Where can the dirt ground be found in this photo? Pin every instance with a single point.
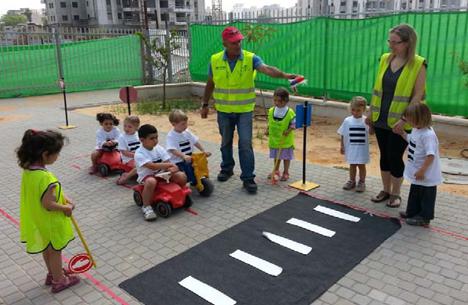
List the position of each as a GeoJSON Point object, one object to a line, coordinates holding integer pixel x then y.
{"type": "Point", "coordinates": [323, 142]}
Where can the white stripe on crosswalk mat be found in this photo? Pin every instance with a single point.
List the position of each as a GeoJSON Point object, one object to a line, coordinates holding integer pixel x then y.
{"type": "Point", "coordinates": [287, 243]}
{"type": "Point", "coordinates": [311, 227]}
{"type": "Point", "coordinates": [337, 214]}
{"type": "Point", "coordinates": [257, 262]}
{"type": "Point", "coordinates": [206, 292]}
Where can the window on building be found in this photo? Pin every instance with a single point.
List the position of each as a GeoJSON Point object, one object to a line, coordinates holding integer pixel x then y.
{"type": "Point", "coordinates": [119, 15]}
{"type": "Point", "coordinates": [118, 2]}
{"type": "Point", "coordinates": [64, 18]}
{"type": "Point", "coordinates": [51, 5]}
{"type": "Point", "coordinates": [63, 4]}
{"type": "Point", "coordinates": [75, 4]}
{"type": "Point", "coordinates": [109, 16]}
{"type": "Point", "coordinates": [164, 4]}
{"type": "Point", "coordinates": [87, 3]}
{"type": "Point", "coordinates": [76, 17]}
{"type": "Point", "coordinates": [108, 2]}
{"type": "Point", "coordinates": [52, 18]}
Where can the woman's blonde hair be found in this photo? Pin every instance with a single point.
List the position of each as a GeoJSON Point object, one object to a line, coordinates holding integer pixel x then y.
{"type": "Point", "coordinates": [358, 102]}
{"type": "Point", "coordinates": [407, 34]}
{"type": "Point", "coordinates": [419, 115]}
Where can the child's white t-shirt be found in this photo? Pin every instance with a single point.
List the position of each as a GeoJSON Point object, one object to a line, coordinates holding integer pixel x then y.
{"type": "Point", "coordinates": [280, 113]}
{"type": "Point", "coordinates": [129, 142]}
{"type": "Point", "coordinates": [103, 136]}
{"type": "Point", "coordinates": [180, 141]}
{"type": "Point", "coordinates": [143, 156]}
{"type": "Point", "coordinates": [422, 143]}
{"type": "Point", "coordinates": [355, 133]}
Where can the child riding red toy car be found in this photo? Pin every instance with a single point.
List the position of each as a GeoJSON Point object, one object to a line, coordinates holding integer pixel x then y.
{"type": "Point", "coordinates": [166, 197]}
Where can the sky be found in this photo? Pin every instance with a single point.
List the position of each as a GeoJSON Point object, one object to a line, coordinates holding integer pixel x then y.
{"type": "Point", "coordinates": [6, 5]}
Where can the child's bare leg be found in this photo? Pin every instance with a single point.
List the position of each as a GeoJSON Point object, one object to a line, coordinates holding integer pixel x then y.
{"type": "Point", "coordinates": [148, 190]}
{"type": "Point", "coordinates": [55, 263]}
{"type": "Point", "coordinates": [179, 177]}
{"type": "Point", "coordinates": [45, 255]}
{"type": "Point", "coordinates": [362, 172]}
{"type": "Point", "coordinates": [286, 164]}
{"type": "Point", "coordinates": [126, 176]}
{"type": "Point", "coordinates": [352, 172]}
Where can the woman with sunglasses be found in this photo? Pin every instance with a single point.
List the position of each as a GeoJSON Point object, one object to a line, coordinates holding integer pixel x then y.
{"type": "Point", "coordinates": [400, 81]}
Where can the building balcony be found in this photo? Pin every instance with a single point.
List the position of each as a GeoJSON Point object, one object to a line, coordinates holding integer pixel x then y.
{"type": "Point", "coordinates": [183, 9]}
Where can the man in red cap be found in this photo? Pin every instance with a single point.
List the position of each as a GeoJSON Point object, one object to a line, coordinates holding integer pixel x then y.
{"type": "Point", "coordinates": [231, 75]}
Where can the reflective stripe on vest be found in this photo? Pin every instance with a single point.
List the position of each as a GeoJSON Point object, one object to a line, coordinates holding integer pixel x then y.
{"type": "Point", "coordinates": [234, 90]}
{"type": "Point", "coordinates": [403, 90]}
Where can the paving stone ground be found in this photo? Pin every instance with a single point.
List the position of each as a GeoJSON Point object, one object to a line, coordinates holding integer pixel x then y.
{"type": "Point", "coordinates": [414, 266]}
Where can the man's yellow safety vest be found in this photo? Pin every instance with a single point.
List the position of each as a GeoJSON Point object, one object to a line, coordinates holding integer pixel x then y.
{"type": "Point", "coordinates": [403, 91]}
{"type": "Point", "coordinates": [234, 91]}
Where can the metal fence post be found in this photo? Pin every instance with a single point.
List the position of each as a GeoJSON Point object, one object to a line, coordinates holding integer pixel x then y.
{"type": "Point", "coordinates": [167, 42]}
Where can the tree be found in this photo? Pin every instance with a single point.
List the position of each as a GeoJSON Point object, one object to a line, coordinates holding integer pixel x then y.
{"type": "Point", "coordinates": [463, 66]}
{"type": "Point", "coordinates": [13, 19]}
{"type": "Point", "coordinates": [160, 54]}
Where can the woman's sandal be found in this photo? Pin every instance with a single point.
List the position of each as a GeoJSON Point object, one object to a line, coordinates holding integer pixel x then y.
{"type": "Point", "coordinates": [284, 177]}
{"type": "Point", "coordinates": [394, 201]}
{"type": "Point", "coordinates": [382, 196]}
{"type": "Point", "coordinates": [48, 280]}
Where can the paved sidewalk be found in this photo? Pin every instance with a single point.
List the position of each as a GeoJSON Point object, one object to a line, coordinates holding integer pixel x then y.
{"type": "Point", "coordinates": [414, 266]}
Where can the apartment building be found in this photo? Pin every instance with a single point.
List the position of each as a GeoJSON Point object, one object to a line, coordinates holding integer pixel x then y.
{"type": "Point", "coordinates": [364, 8]}
{"type": "Point", "coordinates": [123, 12]}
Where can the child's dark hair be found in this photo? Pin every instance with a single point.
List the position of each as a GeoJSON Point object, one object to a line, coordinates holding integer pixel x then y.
{"type": "Point", "coordinates": [145, 130]}
{"type": "Point", "coordinates": [35, 143]}
{"type": "Point", "coordinates": [282, 93]}
{"type": "Point", "coordinates": [104, 116]}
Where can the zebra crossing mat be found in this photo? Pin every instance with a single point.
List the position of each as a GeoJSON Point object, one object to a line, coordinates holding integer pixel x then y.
{"type": "Point", "coordinates": [289, 254]}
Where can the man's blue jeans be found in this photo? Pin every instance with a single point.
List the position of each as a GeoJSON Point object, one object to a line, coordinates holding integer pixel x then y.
{"type": "Point", "coordinates": [227, 123]}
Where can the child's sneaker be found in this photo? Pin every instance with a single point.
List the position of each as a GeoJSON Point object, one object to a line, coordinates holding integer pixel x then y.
{"type": "Point", "coordinates": [122, 179]}
{"type": "Point", "coordinates": [66, 282]}
{"type": "Point", "coordinates": [360, 187]}
{"type": "Point", "coordinates": [349, 185]}
{"type": "Point", "coordinates": [148, 213]}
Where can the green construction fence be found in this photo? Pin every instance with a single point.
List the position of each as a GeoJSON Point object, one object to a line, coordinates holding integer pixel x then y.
{"type": "Point", "coordinates": [339, 57]}
{"type": "Point", "coordinates": [87, 65]}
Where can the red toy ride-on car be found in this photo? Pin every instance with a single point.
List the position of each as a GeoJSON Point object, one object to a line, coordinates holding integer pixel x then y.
{"type": "Point", "coordinates": [167, 196]}
{"type": "Point", "coordinates": [111, 161]}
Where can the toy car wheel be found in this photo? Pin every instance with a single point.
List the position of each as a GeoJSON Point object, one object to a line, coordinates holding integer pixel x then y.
{"type": "Point", "coordinates": [103, 170]}
{"type": "Point", "coordinates": [163, 209]}
{"type": "Point", "coordinates": [208, 187]}
{"type": "Point", "coordinates": [137, 198]}
{"type": "Point", "coordinates": [188, 201]}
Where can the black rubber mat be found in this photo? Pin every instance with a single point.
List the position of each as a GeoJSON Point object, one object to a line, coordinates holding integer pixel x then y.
{"type": "Point", "coordinates": [304, 277]}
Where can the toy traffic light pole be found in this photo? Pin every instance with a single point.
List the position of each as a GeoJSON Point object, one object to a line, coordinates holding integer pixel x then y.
{"type": "Point", "coordinates": [303, 119]}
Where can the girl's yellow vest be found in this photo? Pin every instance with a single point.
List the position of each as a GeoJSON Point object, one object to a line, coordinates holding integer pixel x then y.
{"type": "Point", "coordinates": [276, 129]}
{"type": "Point", "coordinates": [403, 90]}
{"type": "Point", "coordinates": [234, 91]}
{"type": "Point", "coordinates": [39, 227]}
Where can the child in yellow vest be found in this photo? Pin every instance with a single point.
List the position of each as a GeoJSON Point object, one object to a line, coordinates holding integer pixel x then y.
{"type": "Point", "coordinates": [281, 123]}
{"type": "Point", "coordinates": [45, 225]}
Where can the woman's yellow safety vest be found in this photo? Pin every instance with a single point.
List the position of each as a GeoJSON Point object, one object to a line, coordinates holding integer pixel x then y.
{"type": "Point", "coordinates": [276, 139]}
{"type": "Point", "coordinates": [403, 91]}
{"type": "Point", "coordinates": [234, 91]}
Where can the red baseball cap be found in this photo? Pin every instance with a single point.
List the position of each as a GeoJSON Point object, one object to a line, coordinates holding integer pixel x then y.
{"type": "Point", "coordinates": [232, 34]}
